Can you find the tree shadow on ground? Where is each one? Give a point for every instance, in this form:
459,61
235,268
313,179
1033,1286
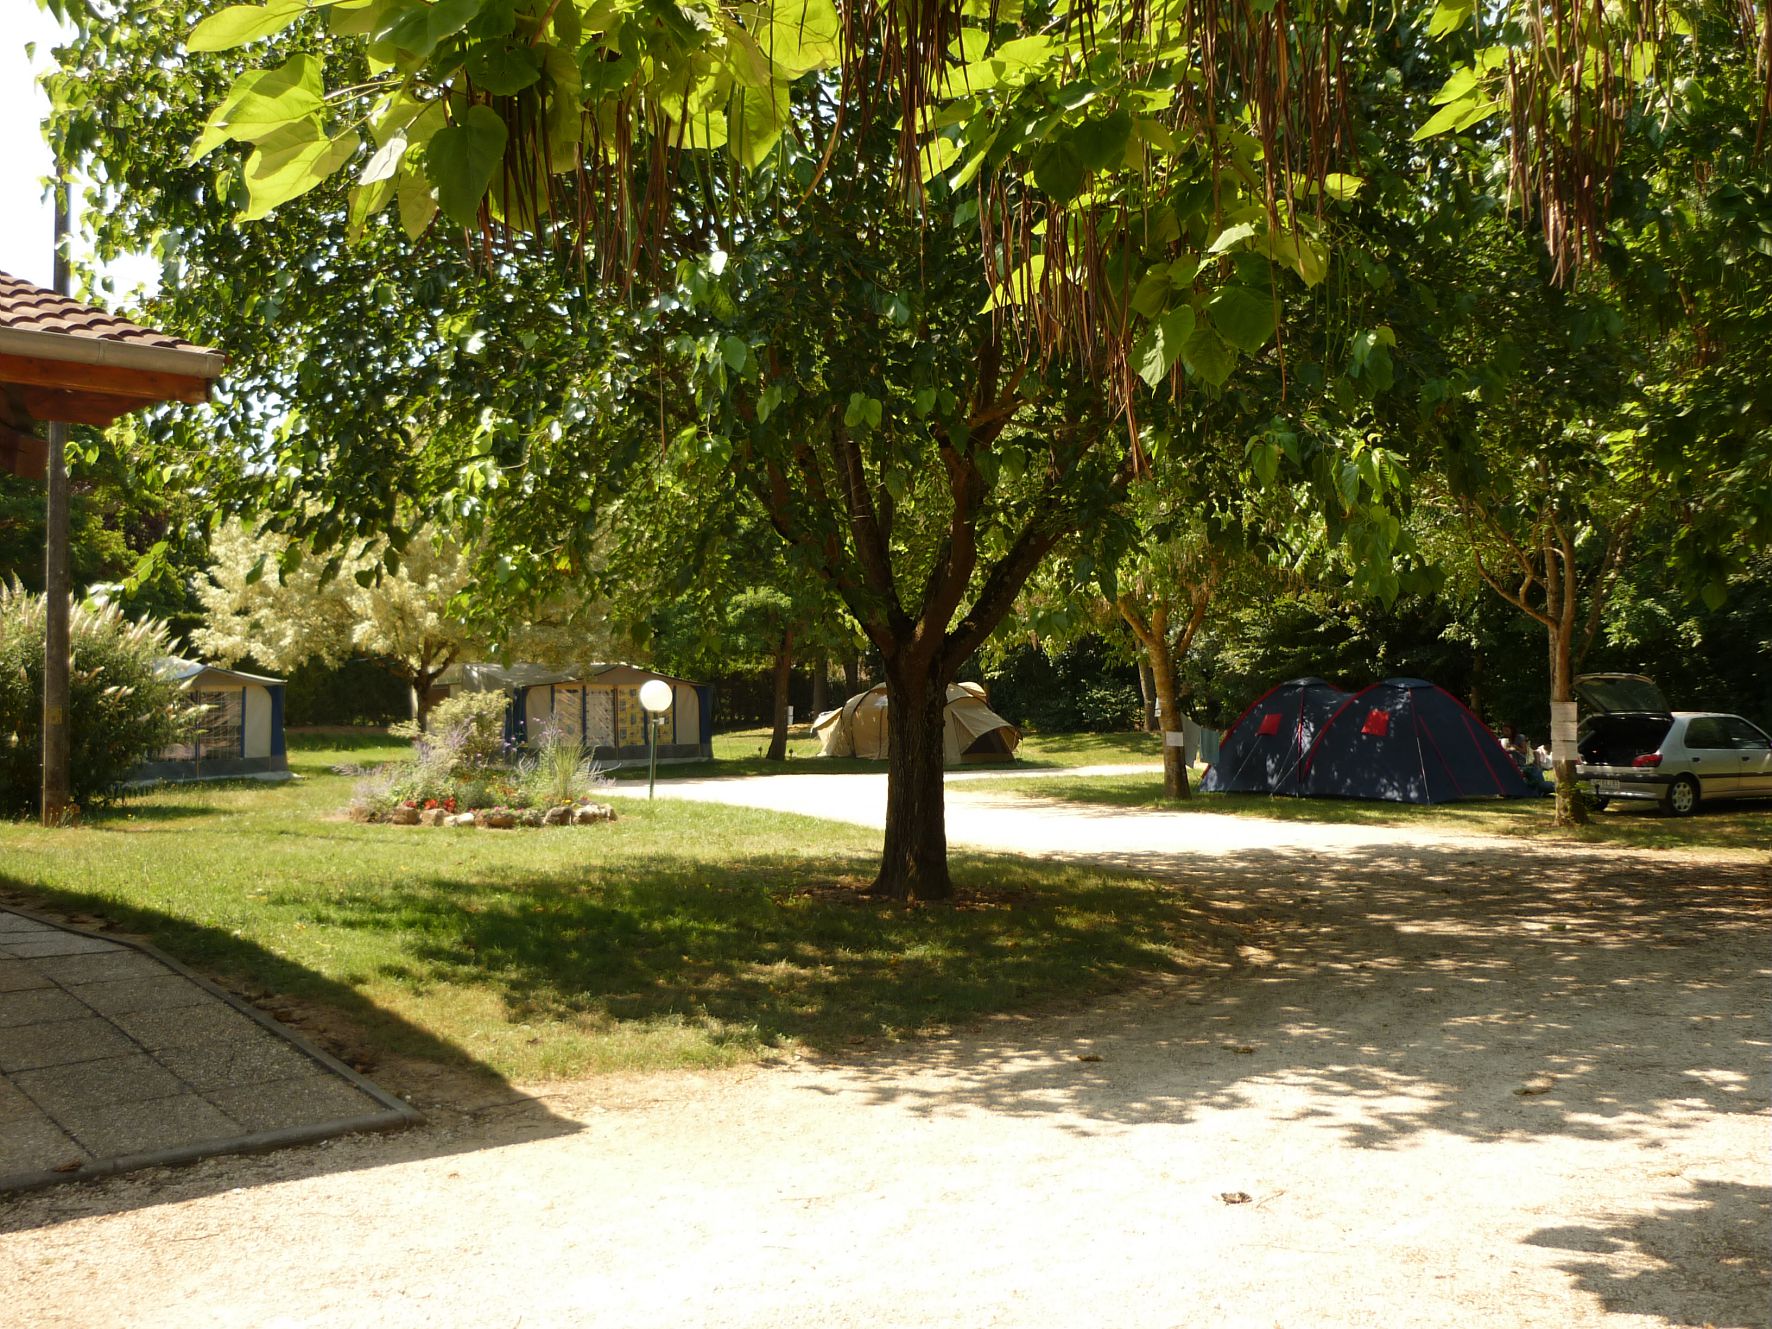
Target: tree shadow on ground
444,1081
1489,994
1696,1259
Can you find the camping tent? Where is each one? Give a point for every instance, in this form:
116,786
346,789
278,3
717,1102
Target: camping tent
973,732
1408,741
236,726
597,704
1264,751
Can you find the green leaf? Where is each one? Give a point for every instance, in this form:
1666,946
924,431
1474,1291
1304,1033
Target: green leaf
936,156
290,162
1243,317
366,201
503,68
1230,236
1102,143
1448,17
462,160
238,24
734,351
263,102
755,118
419,29
1342,188
1058,171
1207,358
1155,352
1456,116
799,36
1152,291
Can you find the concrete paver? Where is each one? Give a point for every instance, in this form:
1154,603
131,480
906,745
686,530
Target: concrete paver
113,1057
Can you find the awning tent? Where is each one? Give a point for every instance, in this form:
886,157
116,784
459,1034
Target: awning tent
971,731
235,727
1264,751
597,704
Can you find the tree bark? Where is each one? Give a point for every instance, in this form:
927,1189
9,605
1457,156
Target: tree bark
1559,599
851,675
1175,783
784,675
914,862
1147,696
821,668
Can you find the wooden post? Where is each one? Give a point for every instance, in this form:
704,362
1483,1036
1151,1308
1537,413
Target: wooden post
57,588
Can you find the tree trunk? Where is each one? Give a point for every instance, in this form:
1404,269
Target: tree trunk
1162,667
914,862
1559,604
820,672
784,675
1147,695
851,675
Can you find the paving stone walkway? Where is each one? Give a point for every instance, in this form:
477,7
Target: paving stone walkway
113,1057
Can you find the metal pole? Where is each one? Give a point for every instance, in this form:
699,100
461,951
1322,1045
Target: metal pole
652,772
57,589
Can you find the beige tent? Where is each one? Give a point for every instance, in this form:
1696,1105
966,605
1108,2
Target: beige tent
974,732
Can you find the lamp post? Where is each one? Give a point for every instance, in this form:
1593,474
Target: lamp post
655,697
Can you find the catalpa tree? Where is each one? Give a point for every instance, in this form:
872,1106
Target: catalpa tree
904,274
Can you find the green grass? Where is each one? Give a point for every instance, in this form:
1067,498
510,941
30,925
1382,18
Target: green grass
739,752
681,935
1723,826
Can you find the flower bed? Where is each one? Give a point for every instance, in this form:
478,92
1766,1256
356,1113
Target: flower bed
452,780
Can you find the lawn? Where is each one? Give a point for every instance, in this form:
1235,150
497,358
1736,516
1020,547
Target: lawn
1722,826
680,935
740,752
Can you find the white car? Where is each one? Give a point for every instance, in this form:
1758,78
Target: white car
1632,746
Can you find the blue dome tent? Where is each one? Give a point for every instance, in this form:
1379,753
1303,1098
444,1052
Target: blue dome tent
1264,751
1407,740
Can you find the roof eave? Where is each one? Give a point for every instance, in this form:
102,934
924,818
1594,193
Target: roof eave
195,362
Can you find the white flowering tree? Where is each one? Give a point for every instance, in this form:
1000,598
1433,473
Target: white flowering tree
284,612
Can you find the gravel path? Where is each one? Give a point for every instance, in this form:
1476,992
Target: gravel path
1455,1082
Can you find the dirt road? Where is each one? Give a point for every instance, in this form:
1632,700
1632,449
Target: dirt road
1454,1083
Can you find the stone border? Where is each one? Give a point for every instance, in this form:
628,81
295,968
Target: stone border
398,1114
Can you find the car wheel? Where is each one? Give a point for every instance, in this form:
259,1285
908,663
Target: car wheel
1682,797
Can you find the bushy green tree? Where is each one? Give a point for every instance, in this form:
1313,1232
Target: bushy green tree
120,706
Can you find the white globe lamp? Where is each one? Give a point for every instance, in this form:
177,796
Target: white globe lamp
655,699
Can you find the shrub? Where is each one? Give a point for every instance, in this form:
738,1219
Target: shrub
557,771
120,706
471,725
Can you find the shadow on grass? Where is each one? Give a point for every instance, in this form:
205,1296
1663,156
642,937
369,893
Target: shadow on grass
339,738
766,951
1682,1260
325,1012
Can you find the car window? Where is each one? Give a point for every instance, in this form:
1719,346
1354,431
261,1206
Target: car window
1707,731
1745,735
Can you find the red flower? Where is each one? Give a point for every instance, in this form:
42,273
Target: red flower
409,803
430,803
449,803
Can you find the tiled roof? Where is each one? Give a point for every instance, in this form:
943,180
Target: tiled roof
27,307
